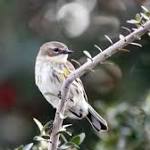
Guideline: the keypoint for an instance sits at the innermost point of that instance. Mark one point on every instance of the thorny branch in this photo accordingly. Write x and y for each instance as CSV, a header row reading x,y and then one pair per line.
x,y
102,56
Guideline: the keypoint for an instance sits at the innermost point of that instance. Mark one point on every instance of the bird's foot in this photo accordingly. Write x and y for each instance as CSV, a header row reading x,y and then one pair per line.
x,y
59,95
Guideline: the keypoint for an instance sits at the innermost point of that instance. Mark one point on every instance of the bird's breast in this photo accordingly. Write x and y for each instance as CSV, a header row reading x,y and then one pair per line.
x,y
47,79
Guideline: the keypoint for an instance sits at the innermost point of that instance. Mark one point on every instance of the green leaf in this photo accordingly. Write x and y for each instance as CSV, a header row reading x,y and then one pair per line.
x,y
74,145
138,17
78,139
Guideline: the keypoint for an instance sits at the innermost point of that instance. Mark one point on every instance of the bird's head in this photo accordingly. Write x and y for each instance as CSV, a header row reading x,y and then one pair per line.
x,y
55,51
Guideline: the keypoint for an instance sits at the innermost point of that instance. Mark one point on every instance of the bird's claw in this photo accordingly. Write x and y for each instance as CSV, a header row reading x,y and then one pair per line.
x,y
59,95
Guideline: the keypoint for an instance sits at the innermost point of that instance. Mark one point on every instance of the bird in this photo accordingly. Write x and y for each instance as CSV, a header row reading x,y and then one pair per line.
x,y
52,68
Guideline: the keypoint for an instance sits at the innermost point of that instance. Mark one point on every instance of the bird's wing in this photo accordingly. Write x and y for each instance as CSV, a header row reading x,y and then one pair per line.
x,y
70,69
70,66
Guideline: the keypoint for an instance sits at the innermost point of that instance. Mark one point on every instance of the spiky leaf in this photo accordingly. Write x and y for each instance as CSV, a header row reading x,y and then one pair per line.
x,y
78,139
144,9
87,54
109,39
39,124
133,21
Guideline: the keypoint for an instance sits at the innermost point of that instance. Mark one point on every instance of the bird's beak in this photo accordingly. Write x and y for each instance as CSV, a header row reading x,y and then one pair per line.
x,y
67,51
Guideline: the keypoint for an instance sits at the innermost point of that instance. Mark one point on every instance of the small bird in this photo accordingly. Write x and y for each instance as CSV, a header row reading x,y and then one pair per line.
x,y
51,70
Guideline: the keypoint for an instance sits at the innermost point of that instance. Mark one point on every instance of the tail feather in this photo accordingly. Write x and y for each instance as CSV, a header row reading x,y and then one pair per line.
x,y
97,122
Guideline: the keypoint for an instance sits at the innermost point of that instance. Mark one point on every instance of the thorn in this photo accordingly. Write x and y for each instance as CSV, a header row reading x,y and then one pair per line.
x,y
61,116
77,62
96,46
145,16
88,55
90,59
63,129
109,39
121,37
145,9
127,29
67,125
136,44
134,29
124,50
133,21
107,63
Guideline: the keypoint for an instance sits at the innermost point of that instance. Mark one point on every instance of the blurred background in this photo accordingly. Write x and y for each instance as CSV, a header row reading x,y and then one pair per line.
x,y
118,89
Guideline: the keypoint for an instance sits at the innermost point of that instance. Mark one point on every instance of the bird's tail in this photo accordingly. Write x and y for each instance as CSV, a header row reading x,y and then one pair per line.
x,y
97,122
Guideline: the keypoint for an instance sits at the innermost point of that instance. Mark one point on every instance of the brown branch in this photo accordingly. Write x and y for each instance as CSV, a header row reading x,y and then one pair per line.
x,y
116,47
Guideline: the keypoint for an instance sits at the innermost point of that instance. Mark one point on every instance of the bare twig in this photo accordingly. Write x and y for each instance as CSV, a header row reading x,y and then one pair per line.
x,y
54,140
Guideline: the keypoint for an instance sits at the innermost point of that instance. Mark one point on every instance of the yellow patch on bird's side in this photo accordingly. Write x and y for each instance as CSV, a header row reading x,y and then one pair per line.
x,y
66,72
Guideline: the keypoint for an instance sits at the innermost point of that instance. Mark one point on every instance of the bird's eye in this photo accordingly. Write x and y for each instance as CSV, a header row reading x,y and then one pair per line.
x,y
56,49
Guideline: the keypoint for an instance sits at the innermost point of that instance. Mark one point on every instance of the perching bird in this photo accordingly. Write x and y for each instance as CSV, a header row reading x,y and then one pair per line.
x,y
51,69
